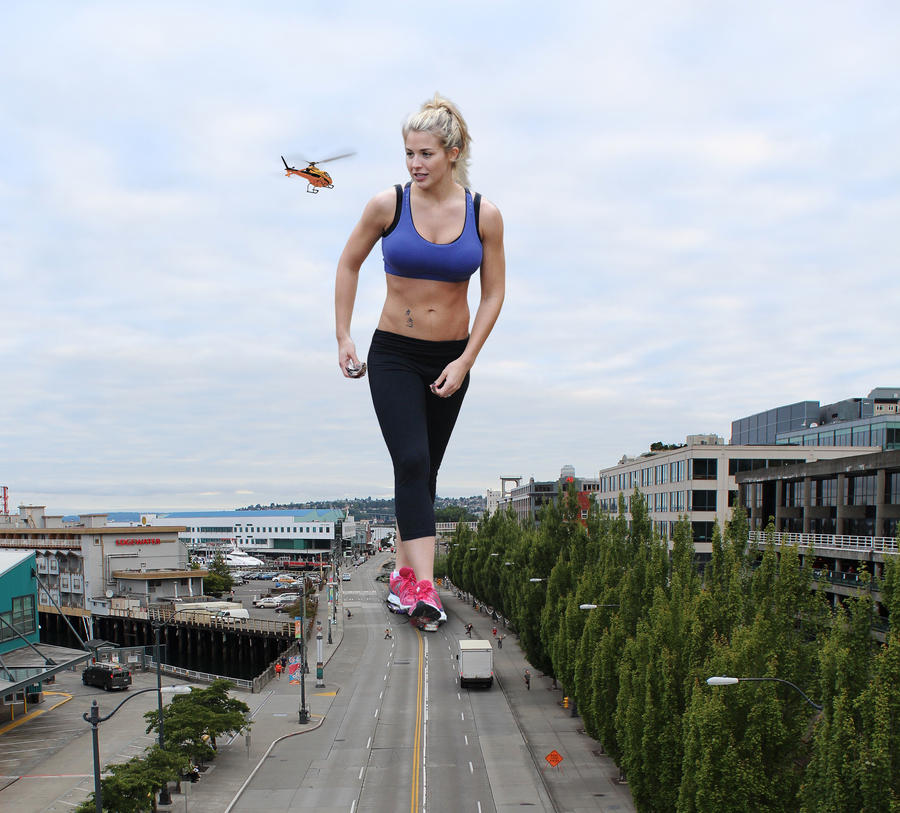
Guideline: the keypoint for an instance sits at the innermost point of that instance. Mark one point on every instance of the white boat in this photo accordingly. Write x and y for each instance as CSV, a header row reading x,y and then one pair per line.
x,y
237,558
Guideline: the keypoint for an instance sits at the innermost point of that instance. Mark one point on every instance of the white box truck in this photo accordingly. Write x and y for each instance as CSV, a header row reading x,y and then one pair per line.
x,y
476,663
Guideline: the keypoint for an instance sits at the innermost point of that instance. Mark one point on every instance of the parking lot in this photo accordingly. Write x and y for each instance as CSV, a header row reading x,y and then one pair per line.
x,y
56,726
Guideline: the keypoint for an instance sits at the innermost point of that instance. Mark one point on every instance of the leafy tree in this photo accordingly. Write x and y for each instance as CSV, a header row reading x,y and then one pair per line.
x,y
194,721
454,513
129,788
219,579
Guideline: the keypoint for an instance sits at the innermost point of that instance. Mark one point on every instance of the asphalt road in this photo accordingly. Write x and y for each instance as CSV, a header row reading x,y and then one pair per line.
x,y
390,731
399,734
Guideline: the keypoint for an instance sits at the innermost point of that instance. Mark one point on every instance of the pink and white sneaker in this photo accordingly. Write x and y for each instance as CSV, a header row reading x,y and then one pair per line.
x,y
402,594
428,605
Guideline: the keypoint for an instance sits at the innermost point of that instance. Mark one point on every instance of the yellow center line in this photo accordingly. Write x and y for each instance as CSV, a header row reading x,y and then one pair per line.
x,y
417,739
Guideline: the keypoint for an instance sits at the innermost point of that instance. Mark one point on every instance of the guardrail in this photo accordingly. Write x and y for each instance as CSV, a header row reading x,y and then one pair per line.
x,y
853,544
199,618
199,677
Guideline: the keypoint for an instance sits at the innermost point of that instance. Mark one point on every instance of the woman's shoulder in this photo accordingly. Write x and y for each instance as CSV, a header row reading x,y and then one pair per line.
x,y
380,209
489,217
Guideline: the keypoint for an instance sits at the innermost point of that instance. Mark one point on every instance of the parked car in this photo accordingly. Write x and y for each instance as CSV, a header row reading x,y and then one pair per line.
x,y
107,676
266,603
345,577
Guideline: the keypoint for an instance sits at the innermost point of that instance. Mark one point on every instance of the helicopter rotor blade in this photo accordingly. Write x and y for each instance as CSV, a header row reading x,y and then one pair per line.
x,y
336,157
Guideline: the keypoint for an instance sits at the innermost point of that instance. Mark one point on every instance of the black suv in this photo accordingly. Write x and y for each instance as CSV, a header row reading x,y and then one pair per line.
x,y
107,676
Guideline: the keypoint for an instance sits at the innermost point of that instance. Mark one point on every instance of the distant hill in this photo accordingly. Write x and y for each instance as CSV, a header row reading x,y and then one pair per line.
x,y
378,510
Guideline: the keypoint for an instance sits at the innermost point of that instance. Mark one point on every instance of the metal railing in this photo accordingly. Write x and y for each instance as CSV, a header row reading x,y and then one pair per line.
x,y
202,618
198,677
853,544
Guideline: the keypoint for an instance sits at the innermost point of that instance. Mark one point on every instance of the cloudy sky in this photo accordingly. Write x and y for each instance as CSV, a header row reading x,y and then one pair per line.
x,y
701,203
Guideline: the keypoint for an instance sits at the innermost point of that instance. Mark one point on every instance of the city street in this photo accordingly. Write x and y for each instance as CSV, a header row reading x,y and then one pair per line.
x,y
389,731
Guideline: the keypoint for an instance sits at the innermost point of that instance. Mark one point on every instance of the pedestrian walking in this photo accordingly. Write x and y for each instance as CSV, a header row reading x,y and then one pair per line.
x,y
494,631
278,669
500,642
387,632
528,680
435,234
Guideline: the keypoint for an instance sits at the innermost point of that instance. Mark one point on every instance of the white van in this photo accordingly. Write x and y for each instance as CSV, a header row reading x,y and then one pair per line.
x,y
232,616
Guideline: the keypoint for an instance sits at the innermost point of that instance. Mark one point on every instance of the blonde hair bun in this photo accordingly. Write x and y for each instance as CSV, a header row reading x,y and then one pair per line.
x,y
442,118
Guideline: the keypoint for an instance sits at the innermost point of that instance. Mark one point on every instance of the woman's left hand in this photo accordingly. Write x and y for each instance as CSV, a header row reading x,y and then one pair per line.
x,y
451,378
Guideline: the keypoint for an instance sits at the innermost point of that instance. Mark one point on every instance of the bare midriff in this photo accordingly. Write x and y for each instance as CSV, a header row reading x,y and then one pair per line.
x,y
426,309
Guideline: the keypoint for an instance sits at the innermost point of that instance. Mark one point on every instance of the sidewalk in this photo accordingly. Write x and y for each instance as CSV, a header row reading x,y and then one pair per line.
x,y
585,780
275,712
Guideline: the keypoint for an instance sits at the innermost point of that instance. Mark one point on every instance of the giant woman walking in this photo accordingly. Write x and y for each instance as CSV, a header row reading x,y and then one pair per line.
x,y
435,235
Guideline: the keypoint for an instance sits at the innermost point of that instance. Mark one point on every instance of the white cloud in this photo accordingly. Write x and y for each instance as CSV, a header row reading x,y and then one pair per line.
x,y
699,200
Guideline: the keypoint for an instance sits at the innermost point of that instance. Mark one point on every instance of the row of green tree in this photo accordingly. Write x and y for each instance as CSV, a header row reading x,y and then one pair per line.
x,y
637,663
191,724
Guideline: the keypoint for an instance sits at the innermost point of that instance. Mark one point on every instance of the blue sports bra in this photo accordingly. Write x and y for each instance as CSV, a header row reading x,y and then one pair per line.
x,y
408,254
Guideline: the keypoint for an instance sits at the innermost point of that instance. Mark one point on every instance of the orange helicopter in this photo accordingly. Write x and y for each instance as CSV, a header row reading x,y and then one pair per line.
x,y
317,178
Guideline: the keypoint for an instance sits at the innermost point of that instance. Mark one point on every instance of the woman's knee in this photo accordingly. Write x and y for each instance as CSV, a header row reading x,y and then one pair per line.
x,y
412,465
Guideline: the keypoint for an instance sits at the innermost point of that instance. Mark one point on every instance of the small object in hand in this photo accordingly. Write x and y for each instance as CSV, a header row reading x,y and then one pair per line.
x,y
356,372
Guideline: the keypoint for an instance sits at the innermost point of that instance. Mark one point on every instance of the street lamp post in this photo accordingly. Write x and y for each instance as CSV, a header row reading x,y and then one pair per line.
x,y
304,711
157,624
94,719
724,680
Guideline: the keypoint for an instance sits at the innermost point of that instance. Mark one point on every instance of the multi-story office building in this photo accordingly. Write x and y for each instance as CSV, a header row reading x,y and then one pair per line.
x,y
271,533
843,515
870,421
86,566
697,480
851,496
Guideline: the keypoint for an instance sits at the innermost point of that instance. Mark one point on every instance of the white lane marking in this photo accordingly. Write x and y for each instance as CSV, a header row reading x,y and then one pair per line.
x,y
353,806
462,715
467,738
369,744
381,695
425,730
376,713
458,697
471,769
364,767
479,806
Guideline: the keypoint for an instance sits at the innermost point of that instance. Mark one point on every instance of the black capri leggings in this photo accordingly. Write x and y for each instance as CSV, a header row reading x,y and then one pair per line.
x,y
416,424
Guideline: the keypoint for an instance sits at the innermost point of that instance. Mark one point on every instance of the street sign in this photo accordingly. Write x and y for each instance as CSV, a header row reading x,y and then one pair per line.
x,y
554,758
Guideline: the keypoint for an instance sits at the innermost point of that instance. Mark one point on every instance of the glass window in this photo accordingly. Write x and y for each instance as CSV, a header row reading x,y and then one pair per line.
x,y
703,531
893,489
860,436
860,490
702,500
704,468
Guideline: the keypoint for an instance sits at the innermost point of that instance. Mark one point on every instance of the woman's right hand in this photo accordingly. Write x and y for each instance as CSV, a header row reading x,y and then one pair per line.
x,y
347,356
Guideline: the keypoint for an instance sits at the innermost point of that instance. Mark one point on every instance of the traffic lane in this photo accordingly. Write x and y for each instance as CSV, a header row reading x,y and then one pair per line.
x,y
326,768
455,764
505,756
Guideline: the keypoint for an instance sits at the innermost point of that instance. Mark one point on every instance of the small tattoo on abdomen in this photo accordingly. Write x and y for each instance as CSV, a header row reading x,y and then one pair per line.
x,y
409,319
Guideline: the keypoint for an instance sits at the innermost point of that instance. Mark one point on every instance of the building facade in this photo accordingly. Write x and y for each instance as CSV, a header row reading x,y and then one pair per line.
x,y
265,534
85,566
851,496
870,421
697,480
